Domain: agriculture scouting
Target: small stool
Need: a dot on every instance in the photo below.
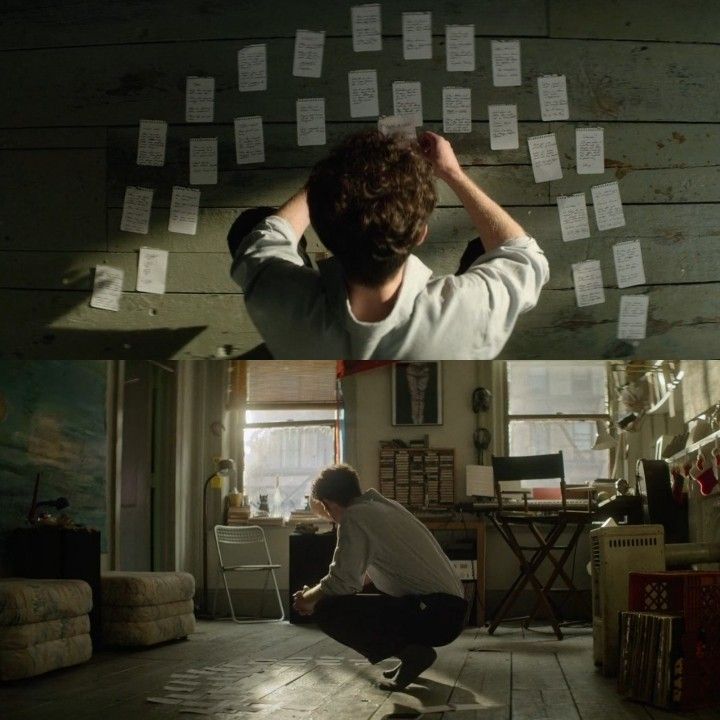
(44, 625)
(146, 608)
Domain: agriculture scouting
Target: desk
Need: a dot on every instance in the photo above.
(479, 527)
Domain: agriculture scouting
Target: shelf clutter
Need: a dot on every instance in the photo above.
(418, 477)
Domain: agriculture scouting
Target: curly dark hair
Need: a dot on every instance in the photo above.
(338, 483)
(369, 201)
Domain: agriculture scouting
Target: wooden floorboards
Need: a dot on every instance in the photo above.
(288, 672)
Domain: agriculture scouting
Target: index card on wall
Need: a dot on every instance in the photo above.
(506, 63)
(366, 27)
(457, 117)
(249, 140)
(460, 48)
(184, 210)
(544, 157)
(252, 68)
(608, 206)
(203, 161)
(574, 223)
(590, 151)
(479, 480)
(407, 100)
(307, 61)
(417, 35)
(136, 210)
(397, 125)
(107, 288)
(200, 99)
(310, 114)
(363, 90)
(152, 138)
(632, 322)
(587, 278)
(629, 264)
(503, 127)
(152, 270)
(553, 97)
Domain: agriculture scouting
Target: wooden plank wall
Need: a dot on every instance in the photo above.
(77, 77)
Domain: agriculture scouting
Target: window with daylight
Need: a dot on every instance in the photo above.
(291, 431)
(555, 406)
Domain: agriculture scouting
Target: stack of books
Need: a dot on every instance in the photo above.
(238, 515)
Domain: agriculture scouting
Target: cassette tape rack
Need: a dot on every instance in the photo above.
(418, 477)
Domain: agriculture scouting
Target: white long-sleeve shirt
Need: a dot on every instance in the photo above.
(304, 313)
(380, 537)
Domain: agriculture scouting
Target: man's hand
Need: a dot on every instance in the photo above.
(304, 600)
(439, 152)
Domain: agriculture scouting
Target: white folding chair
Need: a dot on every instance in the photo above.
(227, 536)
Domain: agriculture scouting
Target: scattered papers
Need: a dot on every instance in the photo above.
(136, 210)
(407, 100)
(460, 48)
(366, 27)
(184, 210)
(397, 125)
(590, 151)
(252, 68)
(417, 35)
(629, 264)
(152, 270)
(503, 127)
(587, 278)
(107, 288)
(310, 113)
(506, 63)
(457, 114)
(363, 88)
(249, 140)
(152, 138)
(545, 158)
(574, 223)
(308, 57)
(203, 161)
(608, 206)
(632, 322)
(553, 97)
(199, 99)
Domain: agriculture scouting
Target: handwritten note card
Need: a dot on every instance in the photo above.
(629, 264)
(632, 322)
(544, 157)
(366, 27)
(457, 117)
(107, 288)
(184, 210)
(252, 68)
(152, 138)
(590, 151)
(199, 99)
(417, 35)
(503, 127)
(587, 278)
(308, 57)
(608, 206)
(136, 210)
(553, 97)
(363, 88)
(397, 125)
(310, 114)
(249, 140)
(203, 161)
(407, 100)
(460, 48)
(574, 223)
(152, 270)
(506, 63)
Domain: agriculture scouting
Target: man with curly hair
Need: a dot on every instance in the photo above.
(369, 201)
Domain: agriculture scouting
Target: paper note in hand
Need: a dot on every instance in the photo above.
(249, 140)
(506, 63)
(460, 48)
(310, 114)
(366, 27)
(407, 101)
(152, 138)
(200, 100)
(184, 210)
(107, 288)
(136, 210)
(363, 88)
(590, 151)
(608, 206)
(632, 322)
(503, 127)
(417, 35)
(574, 223)
(587, 278)
(252, 68)
(152, 270)
(457, 116)
(544, 157)
(553, 97)
(629, 263)
(203, 161)
(309, 46)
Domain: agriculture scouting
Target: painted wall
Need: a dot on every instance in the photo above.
(645, 71)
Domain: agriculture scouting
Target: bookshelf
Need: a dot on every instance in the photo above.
(418, 477)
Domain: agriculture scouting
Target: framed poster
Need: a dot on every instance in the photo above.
(417, 393)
